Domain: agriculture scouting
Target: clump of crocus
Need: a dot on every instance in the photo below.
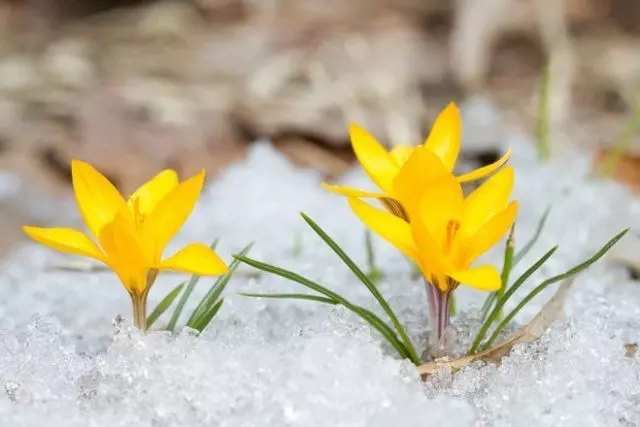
(446, 235)
(386, 168)
(131, 234)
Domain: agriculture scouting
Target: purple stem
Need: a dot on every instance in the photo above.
(439, 309)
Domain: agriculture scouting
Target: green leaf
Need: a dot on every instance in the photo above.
(530, 244)
(291, 296)
(164, 304)
(512, 289)
(366, 315)
(507, 265)
(571, 272)
(375, 274)
(204, 320)
(210, 298)
(367, 282)
(187, 293)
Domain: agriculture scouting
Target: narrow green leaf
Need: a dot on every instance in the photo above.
(212, 295)
(374, 272)
(368, 316)
(204, 321)
(372, 288)
(185, 296)
(530, 244)
(291, 296)
(365, 314)
(512, 289)
(164, 304)
(571, 272)
(507, 265)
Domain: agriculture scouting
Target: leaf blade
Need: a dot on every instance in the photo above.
(567, 274)
(370, 286)
(212, 295)
(366, 315)
(291, 296)
(164, 304)
(187, 293)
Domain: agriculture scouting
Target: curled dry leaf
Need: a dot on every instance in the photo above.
(531, 332)
(630, 349)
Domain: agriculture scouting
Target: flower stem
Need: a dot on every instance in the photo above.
(439, 311)
(139, 304)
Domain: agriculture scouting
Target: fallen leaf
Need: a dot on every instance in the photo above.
(630, 349)
(531, 332)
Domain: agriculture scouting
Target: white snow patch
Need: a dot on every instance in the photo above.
(289, 363)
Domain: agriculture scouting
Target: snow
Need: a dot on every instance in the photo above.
(290, 363)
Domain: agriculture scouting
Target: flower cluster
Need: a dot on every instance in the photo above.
(424, 213)
(427, 216)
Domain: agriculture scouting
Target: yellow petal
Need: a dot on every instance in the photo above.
(421, 169)
(351, 192)
(195, 258)
(98, 200)
(433, 262)
(124, 255)
(485, 170)
(391, 228)
(65, 240)
(149, 195)
(441, 208)
(171, 213)
(490, 233)
(444, 138)
(488, 199)
(375, 159)
(401, 153)
(483, 278)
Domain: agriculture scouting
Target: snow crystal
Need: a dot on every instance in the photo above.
(272, 363)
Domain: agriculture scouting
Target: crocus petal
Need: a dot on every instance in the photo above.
(65, 240)
(172, 212)
(195, 258)
(375, 159)
(124, 254)
(98, 199)
(388, 226)
(483, 278)
(420, 170)
(441, 203)
(149, 195)
(488, 199)
(444, 138)
(432, 259)
(485, 170)
(352, 192)
(490, 233)
(401, 153)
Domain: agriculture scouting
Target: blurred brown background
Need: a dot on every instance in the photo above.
(137, 86)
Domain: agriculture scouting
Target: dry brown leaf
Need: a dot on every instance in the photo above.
(531, 332)
(630, 349)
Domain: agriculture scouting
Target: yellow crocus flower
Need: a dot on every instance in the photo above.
(384, 167)
(448, 233)
(132, 234)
